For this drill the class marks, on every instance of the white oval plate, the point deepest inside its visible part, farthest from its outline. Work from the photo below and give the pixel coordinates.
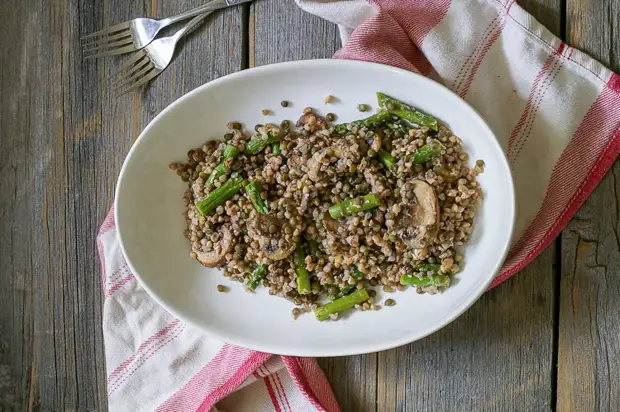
(150, 224)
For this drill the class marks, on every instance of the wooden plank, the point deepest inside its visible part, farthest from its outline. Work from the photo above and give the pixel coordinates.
(283, 32)
(64, 136)
(497, 356)
(279, 31)
(589, 349)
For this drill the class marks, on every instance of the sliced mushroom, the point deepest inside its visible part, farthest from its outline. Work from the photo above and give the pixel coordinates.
(350, 147)
(429, 208)
(314, 166)
(269, 232)
(331, 225)
(418, 223)
(216, 257)
(336, 234)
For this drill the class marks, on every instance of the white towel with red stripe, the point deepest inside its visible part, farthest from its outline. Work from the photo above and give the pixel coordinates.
(555, 111)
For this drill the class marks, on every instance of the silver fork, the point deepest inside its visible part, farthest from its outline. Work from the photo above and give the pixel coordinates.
(153, 59)
(135, 34)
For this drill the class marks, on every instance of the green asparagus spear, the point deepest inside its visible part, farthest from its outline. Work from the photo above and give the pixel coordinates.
(230, 152)
(275, 149)
(427, 267)
(257, 275)
(352, 206)
(314, 248)
(341, 304)
(341, 129)
(345, 290)
(427, 152)
(399, 126)
(258, 143)
(357, 275)
(254, 190)
(375, 120)
(387, 159)
(404, 111)
(220, 195)
(303, 277)
(432, 280)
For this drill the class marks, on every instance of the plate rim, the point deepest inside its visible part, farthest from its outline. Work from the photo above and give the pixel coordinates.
(336, 351)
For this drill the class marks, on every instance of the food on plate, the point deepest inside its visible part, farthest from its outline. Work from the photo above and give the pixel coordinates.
(326, 211)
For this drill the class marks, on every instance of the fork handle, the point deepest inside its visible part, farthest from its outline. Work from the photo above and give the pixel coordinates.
(211, 6)
(191, 26)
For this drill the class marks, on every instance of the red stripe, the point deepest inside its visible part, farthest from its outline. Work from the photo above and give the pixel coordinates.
(279, 382)
(528, 105)
(394, 38)
(542, 91)
(237, 379)
(108, 223)
(614, 83)
(280, 389)
(311, 382)
(486, 49)
(272, 395)
(120, 284)
(487, 31)
(137, 365)
(118, 273)
(142, 347)
(218, 378)
(580, 168)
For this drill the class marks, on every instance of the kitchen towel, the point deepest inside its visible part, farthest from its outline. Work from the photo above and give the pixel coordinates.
(555, 111)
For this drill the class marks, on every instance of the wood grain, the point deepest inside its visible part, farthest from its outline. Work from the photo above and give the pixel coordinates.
(497, 356)
(64, 136)
(280, 31)
(589, 327)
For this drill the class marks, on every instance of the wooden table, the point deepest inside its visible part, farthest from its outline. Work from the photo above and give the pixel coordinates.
(549, 338)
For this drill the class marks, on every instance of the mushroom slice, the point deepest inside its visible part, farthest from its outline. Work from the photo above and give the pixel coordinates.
(331, 225)
(269, 232)
(418, 223)
(217, 256)
(350, 148)
(428, 206)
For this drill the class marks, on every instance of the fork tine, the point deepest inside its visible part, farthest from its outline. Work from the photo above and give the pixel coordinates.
(112, 45)
(106, 39)
(111, 29)
(129, 64)
(151, 75)
(122, 50)
(132, 75)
